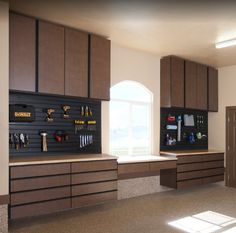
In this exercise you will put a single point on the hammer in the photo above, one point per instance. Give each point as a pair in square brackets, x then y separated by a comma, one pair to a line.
[44, 141]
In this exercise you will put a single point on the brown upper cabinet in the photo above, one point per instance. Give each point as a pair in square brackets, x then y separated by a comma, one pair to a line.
[212, 89]
[187, 84]
[172, 82]
[99, 80]
[76, 63]
[195, 85]
[202, 87]
[53, 59]
[51, 65]
[22, 54]
[190, 84]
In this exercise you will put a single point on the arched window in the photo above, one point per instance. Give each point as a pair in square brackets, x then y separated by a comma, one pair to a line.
[130, 119]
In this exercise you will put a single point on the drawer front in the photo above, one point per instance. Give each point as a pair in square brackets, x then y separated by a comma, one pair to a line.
[157, 166]
[93, 177]
[94, 166]
[94, 188]
[212, 157]
[189, 175]
[213, 164]
[189, 167]
[39, 183]
[189, 159]
[213, 172]
[213, 179]
[39, 208]
[39, 170]
[188, 183]
[133, 168]
[39, 195]
[93, 199]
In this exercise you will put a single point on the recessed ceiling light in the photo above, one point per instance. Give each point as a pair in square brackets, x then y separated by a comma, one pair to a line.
[225, 43]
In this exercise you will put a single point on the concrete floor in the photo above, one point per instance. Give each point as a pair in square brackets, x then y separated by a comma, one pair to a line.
[146, 214]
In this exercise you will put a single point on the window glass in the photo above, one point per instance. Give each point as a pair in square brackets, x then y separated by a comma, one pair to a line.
[130, 119]
[129, 90]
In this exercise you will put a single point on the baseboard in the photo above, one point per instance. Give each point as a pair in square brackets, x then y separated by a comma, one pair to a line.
[4, 199]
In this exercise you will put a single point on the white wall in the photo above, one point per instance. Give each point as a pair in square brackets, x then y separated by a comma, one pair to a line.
[227, 97]
[4, 70]
[128, 64]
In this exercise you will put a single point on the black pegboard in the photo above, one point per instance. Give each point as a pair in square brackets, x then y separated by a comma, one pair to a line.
[41, 103]
[184, 144]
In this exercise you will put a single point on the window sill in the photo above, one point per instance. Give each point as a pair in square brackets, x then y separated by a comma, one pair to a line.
[143, 159]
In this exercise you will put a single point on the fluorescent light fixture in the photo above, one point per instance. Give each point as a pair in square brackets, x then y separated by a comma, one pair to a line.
[225, 43]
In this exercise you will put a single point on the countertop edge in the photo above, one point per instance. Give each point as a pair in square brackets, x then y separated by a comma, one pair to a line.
[24, 161]
[147, 161]
[58, 159]
[182, 153]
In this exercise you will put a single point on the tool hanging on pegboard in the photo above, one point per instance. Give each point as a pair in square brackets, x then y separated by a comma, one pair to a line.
[91, 125]
[79, 125]
[50, 112]
[86, 140]
[66, 109]
[61, 136]
[18, 141]
[86, 111]
[44, 143]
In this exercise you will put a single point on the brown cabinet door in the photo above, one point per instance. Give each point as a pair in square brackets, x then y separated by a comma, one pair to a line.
[99, 80]
[177, 82]
[201, 87]
[50, 58]
[22, 33]
[92, 166]
[76, 63]
[190, 84]
[172, 82]
[212, 89]
[165, 82]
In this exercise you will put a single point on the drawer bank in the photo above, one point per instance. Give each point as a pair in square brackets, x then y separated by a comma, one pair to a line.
[46, 184]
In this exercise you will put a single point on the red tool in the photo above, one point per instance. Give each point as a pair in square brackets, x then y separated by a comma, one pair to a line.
[171, 118]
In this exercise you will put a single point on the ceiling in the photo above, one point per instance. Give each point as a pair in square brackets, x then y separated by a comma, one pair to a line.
[185, 28]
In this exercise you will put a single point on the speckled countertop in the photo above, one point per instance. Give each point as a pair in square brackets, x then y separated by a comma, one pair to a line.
[191, 152]
[47, 159]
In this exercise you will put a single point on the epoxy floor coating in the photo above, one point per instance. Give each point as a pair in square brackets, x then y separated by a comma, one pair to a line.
[146, 214]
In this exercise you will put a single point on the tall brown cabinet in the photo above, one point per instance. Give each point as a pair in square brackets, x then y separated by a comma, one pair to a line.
[231, 146]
